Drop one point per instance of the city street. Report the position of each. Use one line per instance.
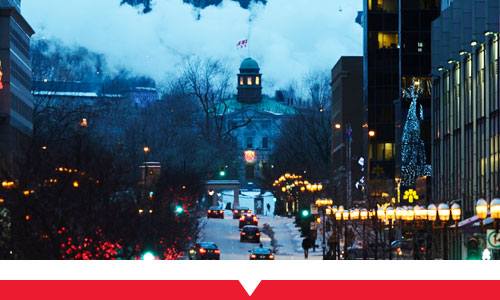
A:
(225, 233)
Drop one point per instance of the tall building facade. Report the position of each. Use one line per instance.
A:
(397, 50)
(16, 101)
(466, 104)
(347, 129)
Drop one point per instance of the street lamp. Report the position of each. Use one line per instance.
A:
(146, 150)
(482, 209)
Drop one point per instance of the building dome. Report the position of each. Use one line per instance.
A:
(249, 64)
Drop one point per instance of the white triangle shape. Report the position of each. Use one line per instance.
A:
(250, 285)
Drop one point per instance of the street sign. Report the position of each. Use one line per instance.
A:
(493, 239)
(314, 209)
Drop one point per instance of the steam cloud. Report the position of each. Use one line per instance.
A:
(287, 37)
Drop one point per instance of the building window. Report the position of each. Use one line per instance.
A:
(265, 142)
(249, 80)
(383, 40)
(249, 142)
(241, 80)
(257, 80)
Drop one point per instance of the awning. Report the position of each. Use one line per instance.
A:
(473, 222)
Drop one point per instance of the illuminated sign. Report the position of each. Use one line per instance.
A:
(250, 156)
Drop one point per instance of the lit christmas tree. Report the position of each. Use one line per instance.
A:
(413, 160)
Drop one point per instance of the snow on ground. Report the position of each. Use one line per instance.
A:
(225, 233)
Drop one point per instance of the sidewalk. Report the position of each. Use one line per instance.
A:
(288, 238)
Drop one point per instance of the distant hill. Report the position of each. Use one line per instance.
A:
(195, 3)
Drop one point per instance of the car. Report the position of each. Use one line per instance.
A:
(238, 211)
(215, 212)
(356, 252)
(204, 250)
(405, 249)
(261, 253)
(248, 219)
(250, 233)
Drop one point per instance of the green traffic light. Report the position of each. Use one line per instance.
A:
(305, 213)
(148, 256)
(222, 173)
(179, 209)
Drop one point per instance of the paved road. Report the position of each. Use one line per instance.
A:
(225, 233)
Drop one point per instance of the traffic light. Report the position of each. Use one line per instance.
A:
(148, 256)
(222, 171)
(151, 194)
(318, 220)
(179, 209)
(305, 213)
(473, 249)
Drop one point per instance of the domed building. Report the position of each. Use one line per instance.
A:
(256, 119)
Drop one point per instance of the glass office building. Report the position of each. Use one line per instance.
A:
(465, 104)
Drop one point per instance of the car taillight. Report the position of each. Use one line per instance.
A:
(271, 256)
(253, 256)
(203, 251)
(257, 234)
(221, 211)
(399, 251)
(255, 219)
(235, 211)
(249, 211)
(243, 233)
(242, 218)
(422, 248)
(217, 251)
(209, 211)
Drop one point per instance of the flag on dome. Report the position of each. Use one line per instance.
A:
(242, 43)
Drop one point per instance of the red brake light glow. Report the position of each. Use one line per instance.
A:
(271, 256)
(235, 211)
(257, 234)
(221, 211)
(254, 256)
(243, 233)
(242, 218)
(217, 251)
(203, 251)
(255, 219)
(209, 211)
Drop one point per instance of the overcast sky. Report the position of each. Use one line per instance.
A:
(286, 37)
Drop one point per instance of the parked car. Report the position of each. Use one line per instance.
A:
(215, 212)
(261, 253)
(204, 250)
(405, 249)
(238, 211)
(356, 252)
(250, 233)
(248, 219)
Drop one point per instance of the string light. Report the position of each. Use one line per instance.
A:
(413, 159)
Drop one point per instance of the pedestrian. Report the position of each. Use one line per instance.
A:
(269, 208)
(306, 244)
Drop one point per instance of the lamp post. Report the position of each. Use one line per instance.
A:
(146, 150)
(348, 153)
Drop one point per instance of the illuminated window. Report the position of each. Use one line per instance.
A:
(389, 151)
(257, 80)
(387, 40)
(249, 80)
(241, 80)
